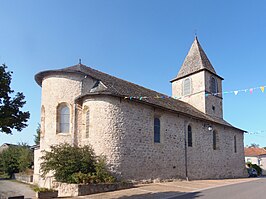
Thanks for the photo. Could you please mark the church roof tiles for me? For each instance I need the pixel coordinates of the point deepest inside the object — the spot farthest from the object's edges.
(121, 88)
(195, 61)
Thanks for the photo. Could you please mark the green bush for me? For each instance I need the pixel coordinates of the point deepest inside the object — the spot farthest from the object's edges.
(72, 164)
(42, 189)
(16, 159)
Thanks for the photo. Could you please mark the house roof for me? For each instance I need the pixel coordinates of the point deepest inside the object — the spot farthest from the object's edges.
(121, 88)
(254, 151)
(195, 61)
(8, 144)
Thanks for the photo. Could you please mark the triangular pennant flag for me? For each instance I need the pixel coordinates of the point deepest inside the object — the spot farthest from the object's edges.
(236, 92)
(251, 90)
(262, 88)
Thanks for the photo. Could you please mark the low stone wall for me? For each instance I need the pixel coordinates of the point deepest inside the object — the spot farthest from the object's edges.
(23, 177)
(66, 190)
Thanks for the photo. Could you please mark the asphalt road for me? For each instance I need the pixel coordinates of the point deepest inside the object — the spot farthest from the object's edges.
(254, 189)
(12, 188)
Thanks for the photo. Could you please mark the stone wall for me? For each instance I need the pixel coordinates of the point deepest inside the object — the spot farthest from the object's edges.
(123, 131)
(197, 89)
(200, 83)
(67, 190)
(22, 177)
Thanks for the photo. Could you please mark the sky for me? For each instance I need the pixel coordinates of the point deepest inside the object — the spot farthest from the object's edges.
(142, 41)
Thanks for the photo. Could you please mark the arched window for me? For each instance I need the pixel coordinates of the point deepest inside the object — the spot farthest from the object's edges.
(42, 121)
(214, 86)
(63, 118)
(235, 144)
(189, 136)
(214, 140)
(87, 131)
(187, 86)
(157, 133)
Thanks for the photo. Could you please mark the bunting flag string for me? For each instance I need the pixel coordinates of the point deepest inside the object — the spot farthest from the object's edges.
(255, 132)
(235, 92)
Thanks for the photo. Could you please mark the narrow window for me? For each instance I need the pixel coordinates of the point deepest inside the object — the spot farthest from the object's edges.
(157, 130)
(64, 119)
(235, 144)
(87, 123)
(214, 140)
(42, 121)
(189, 136)
(214, 88)
(187, 87)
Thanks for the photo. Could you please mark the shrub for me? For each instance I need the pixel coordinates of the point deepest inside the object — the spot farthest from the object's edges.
(42, 189)
(72, 164)
(16, 159)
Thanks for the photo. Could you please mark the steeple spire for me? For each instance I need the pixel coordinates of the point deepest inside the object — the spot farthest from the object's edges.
(195, 61)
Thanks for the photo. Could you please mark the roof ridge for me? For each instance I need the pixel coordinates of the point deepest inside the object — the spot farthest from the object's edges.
(135, 84)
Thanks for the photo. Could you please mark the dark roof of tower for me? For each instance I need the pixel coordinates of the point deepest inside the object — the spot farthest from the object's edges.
(121, 88)
(195, 61)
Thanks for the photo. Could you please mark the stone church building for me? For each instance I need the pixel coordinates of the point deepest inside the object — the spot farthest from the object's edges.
(144, 134)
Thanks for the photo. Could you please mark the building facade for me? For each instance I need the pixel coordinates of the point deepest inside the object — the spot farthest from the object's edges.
(145, 135)
(256, 156)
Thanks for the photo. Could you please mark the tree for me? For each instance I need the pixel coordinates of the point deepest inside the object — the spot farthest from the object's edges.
(37, 137)
(254, 145)
(11, 116)
(16, 159)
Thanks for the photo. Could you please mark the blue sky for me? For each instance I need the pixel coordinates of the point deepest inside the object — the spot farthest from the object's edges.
(142, 41)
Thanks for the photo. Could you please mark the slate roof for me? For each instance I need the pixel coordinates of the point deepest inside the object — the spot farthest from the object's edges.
(253, 151)
(195, 61)
(121, 88)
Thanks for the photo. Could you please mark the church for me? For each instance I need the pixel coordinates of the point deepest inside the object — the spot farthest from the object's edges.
(145, 135)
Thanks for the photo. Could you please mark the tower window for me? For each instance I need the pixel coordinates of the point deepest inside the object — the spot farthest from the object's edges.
(187, 86)
(214, 86)
(157, 130)
(189, 136)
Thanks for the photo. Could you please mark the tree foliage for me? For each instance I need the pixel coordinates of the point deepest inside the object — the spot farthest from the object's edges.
(74, 164)
(16, 159)
(37, 137)
(254, 145)
(11, 116)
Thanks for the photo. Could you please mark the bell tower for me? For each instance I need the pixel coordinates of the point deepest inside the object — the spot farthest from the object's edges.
(198, 84)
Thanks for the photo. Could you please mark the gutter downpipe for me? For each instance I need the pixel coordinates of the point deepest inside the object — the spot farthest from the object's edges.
(185, 138)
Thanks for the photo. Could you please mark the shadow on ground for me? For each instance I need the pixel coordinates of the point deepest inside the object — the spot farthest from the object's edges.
(164, 195)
